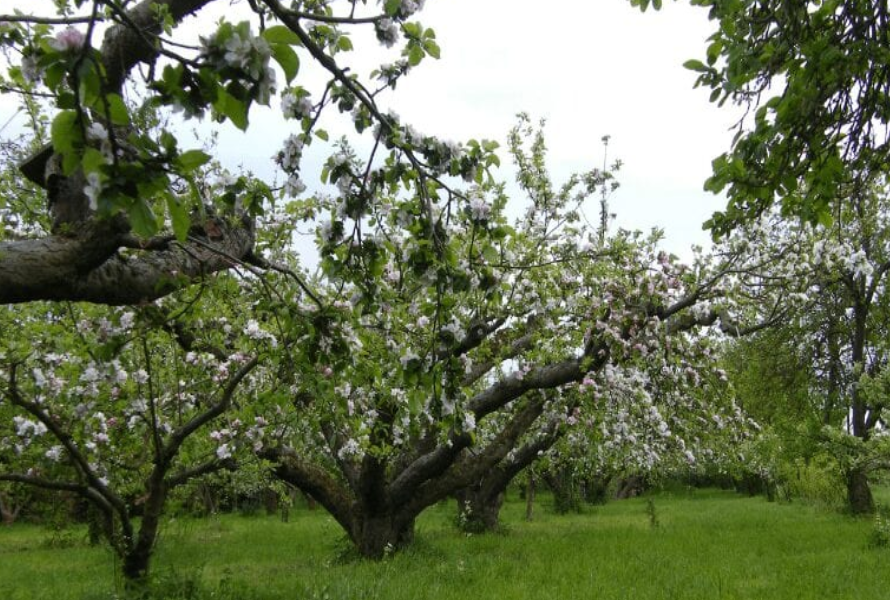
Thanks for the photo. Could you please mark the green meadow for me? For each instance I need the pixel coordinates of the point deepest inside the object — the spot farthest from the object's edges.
(707, 545)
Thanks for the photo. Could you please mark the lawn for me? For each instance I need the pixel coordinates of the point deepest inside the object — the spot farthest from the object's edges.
(708, 544)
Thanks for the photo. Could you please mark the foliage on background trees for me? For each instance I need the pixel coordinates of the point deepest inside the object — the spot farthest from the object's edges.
(834, 281)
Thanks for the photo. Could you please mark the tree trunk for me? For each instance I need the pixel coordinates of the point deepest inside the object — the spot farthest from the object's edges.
(530, 497)
(478, 508)
(859, 498)
(377, 536)
(138, 555)
(9, 511)
(630, 487)
(596, 489)
(565, 496)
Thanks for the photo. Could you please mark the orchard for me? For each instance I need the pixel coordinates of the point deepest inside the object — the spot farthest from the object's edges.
(164, 331)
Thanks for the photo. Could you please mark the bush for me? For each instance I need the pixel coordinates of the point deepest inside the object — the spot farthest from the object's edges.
(818, 480)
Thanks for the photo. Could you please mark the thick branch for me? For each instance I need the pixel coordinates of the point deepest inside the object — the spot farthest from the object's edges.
(473, 466)
(312, 480)
(426, 467)
(211, 466)
(89, 266)
(127, 45)
(511, 388)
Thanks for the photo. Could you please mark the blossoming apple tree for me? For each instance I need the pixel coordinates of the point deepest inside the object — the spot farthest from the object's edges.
(438, 339)
(117, 407)
(834, 282)
(424, 377)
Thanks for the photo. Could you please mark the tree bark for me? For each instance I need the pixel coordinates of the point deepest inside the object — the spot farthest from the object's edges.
(82, 260)
(377, 535)
(530, 497)
(859, 498)
(89, 266)
(479, 508)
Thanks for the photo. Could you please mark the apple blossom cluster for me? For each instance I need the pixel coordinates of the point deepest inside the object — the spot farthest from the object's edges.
(295, 104)
(387, 31)
(253, 331)
(69, 40)
(235, 51)
(288, 158)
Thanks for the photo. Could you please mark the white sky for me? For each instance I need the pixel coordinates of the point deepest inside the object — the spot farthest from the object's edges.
(590, 67)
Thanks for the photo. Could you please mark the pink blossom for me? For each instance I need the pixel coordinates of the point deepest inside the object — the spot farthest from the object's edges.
(68, 40)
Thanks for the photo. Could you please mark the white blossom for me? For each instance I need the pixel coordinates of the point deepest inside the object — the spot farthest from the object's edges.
(387, 32)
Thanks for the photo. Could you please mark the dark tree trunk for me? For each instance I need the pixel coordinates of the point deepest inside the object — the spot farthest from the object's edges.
(859, 498)
(9, 510)
(478, 508)
(137, 558)
(630, 487)
(565, 494)
(596, 489)
(530, 497)
(379, 535)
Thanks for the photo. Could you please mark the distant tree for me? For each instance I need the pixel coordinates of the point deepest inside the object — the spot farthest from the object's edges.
(835, 335)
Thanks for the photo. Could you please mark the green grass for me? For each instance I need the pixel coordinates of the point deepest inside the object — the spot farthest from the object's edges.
(709, 545)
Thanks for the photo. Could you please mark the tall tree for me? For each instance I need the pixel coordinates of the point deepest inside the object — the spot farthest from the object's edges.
(814, 83)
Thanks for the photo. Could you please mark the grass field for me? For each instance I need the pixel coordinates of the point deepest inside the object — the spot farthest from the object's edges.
(708, 544)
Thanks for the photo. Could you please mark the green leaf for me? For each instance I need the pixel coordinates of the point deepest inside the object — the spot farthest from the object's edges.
(321, 134)
(65, 131)
(391, 7)
(117, 110)
(415, 55)
(231, 107)
(695, 65)
(143, 219)
(344, 44)
(191, 160)
(432, 48)
(490, 254)
(89, 84)
(179, 217)
(286, 57)
(279, 34)
(93, 161)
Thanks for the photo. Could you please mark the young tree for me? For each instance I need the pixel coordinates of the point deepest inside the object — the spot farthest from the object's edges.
(100, 405)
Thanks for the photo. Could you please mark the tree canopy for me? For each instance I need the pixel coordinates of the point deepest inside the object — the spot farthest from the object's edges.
(813, 79)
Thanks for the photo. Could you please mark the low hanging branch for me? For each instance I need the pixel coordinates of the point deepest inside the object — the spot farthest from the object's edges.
(95, 265)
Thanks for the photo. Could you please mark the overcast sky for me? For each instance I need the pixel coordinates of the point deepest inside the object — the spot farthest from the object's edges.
(590, 67)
